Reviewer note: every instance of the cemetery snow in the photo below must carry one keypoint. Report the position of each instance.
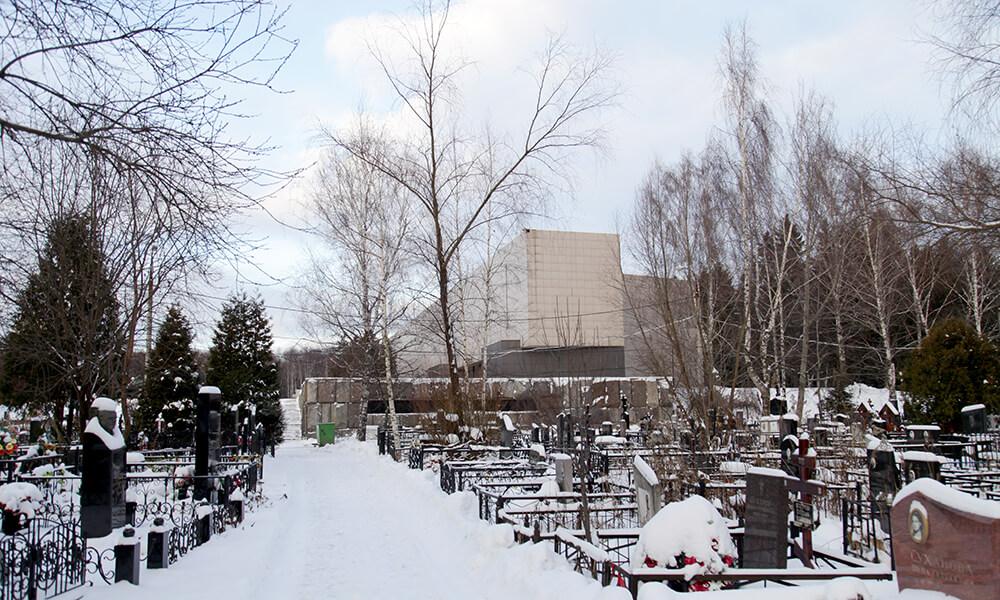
(343, 522)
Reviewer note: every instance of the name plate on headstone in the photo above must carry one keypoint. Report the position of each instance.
(765, 541)
(947, 541)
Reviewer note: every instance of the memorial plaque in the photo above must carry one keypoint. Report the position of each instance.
(765, 541)
(789, 446)
(946, 541)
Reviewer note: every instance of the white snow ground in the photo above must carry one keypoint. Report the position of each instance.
(343, 522)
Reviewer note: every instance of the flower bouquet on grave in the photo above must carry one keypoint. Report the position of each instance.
(8, 444)
(18, 502)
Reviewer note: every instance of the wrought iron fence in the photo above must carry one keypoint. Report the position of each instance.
(46, 558)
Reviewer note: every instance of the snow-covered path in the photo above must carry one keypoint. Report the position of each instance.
(346, 523)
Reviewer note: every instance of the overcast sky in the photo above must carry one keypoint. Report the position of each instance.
(864, 56)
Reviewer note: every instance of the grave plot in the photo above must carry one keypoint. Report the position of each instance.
(596, 516)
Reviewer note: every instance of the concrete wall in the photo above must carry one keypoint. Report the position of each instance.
(574, 289)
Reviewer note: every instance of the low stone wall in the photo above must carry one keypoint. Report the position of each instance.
(337, 399)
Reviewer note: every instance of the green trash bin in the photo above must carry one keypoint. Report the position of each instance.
(326, 433)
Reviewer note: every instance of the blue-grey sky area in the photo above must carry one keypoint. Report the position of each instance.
(865, 57)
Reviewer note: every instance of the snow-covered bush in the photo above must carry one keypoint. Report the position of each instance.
(18, 499)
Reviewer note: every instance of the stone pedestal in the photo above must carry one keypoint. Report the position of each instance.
(158, 556)
(947, 541)
(127, 557)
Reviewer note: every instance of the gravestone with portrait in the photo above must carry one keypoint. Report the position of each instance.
(946, 541)
(102, 483)
(765, 541)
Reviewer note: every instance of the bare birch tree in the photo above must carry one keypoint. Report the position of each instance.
(441, 167)
(360, 215)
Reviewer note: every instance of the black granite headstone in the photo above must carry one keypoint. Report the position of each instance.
(789, 446)
(883, 482)
(765, 541)
(102, 482)
(206, 440)
(777, 407)
(974, 419)
(921, 464)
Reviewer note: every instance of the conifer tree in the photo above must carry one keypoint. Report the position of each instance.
(952, 368)
(172, 377)
(64, 346)
(240, 362)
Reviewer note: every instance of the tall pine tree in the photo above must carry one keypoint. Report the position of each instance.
(65, 344)
(240, 362)
(171, 381)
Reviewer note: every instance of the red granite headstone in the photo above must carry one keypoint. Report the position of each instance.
(947, 541)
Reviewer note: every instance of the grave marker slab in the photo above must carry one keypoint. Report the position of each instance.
(564, 471)
(974, 419)
(206, 440)
(883, 480)
(648, 491)
(103, 484)
(765, 541)
(947, 541)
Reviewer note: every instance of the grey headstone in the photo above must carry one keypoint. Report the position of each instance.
(765, 541)
(564, 472)
(648, 494)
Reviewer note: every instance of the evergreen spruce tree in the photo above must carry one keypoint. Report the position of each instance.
(64, 346)
(241, 365)
(171, 380)
(952, 368)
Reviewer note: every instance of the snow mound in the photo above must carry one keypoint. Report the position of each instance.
(20, 497)
(692, 527)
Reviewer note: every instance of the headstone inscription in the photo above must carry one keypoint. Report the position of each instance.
(103, 484)
(765, 541)
(946, 541)
(648, 491)
(206, 440)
